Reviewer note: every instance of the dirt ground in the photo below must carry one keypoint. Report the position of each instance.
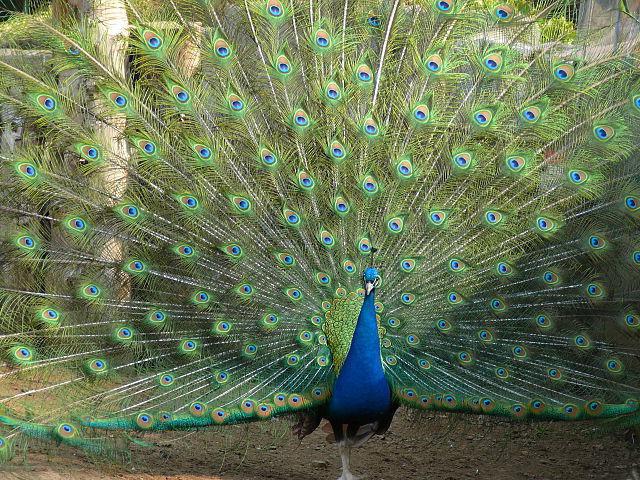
(434, 447)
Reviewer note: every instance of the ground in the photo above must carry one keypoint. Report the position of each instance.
(434, 447)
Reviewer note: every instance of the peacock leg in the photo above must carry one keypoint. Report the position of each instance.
(345, 454)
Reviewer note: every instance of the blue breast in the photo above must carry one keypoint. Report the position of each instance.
(361, 392)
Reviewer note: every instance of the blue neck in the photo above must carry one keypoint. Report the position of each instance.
(361, 391)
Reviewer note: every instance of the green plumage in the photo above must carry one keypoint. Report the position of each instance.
(184, 233)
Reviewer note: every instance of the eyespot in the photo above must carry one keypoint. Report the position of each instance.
(503, 268)
(364, 246)
(492, 62)
(364, 74)
(577, 177)
(22, 354)
(349, 266)
(337, 151)
(537, 406)
(322, 39)
(341, 205)
(91, 291)
(395, 225)
(197, 409)
(407, 265)
(444, 6)
(221, 376)
(244, 290)
(519, 351)
(582, 341)
(454, 298)
(515, 164)
(497, 304)
(407, 298)
(221, 327)
(66, 431)
(285, 259)
(118, 99)
(73, 50)
(596, 242)
(144, 421)
(412, 340)
(443, 325)
(188, 346)
(594, 407)
(437, 217)
(147, 147)
(241, 204)
(291, 217)
(222, 49)
(180, 94)
(457, 265)
(483, 117)
(152, 39)
(46, 102)
(421, 113)
(323, 279)
(487, 405)
(292, 360)
(26, 242)
(404, 169)
(50, 315)
(530, 114)
(201, 297)
(370, 185)
(135, 266)
(233, 250)
(502, 373)
(563, 72)
(90, 152)
(391, 360)
(370, 128)
(614, 365)
(203, 152)
(543, 321)
(631, 203)
(130, 211)
(333, 92)
(305, 181)
(603, 133)
(503, 13)
(77, 224)
(462, 160)
(493, 217)
(236, 104)
(631, 320)
(157, 317)
(219, 415)
(374, 21)
(594, 290)
(545, 224)
(635, 257)
(550, 277)
(283, 65)
(434, 63)
(166, 379)
(268, 158)
(294, 400)
(293, 293)
(485, 336)
(275, 8)
(188, 201)
(97, 366)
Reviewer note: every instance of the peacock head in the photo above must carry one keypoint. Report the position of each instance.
(372, 279)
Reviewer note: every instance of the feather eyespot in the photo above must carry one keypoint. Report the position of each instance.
(564, 72)
(603, 133)
(152, 39)
(47, 102)
(222, 49)
(434, 63)
(180, 94)
(364, 74)
(322, 39)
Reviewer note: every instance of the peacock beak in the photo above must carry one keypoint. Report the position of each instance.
(369, 286)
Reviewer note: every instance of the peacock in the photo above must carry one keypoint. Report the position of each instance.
(236, 210)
